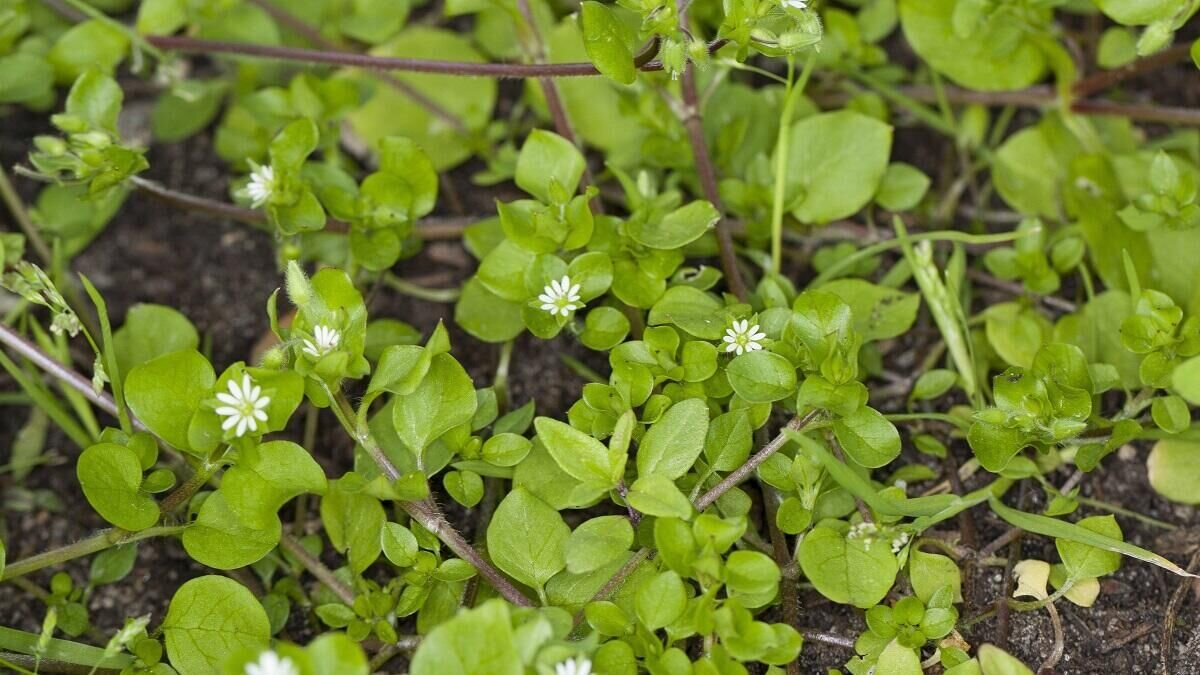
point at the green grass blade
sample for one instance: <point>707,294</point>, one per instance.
<point>1052,527</point>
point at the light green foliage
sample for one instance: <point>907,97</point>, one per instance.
<point>475,642</point>
<point>210,618</point>
<point>111,478</point>
<point>1044,405</point>
<point>166,391</point>
<point>527,539</point>
<point>835,164</point>
<point>1173,470</point>
<point>850,569</point>
<point>975,43</point>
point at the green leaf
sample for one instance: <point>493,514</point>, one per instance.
<point>930,572</point>
<point>896,659</point>
<point>902,187</point>
<point>835,164</point>
<point>210,618</point>
<point>657,495</point>
<point>112,565</point>
<point>761,377</point>
<point>598,542</point>
<point>219,540</point>
<point>606,39</point>
<point>676,229</point>
<point>444,399</point>
<point>151,331</point>
<point>661,600</point>
<point>165,392</point>
<point>161,17</point>
<point>698,313</point>
<point>1171,414</point>
<point>486,315</point>
<point>476,641</point>
<point>1085,562</point>
<point>933,383</point>
<point>399,545</point>
<point>879,312</point>
<point>730,437</point>
<point>268,476</point>
<point>604,328</point>
<point>987,54</point>
<point>673,443</point>
<point>527,539</point>
<point>111,476</point>
<point>25,78</point>
<point>91,45</point>
<point>868,437</point>
<point>353,521</point>
<point>547,159</point>
<point>1051,527</point>
<point>1137,12</point>
<point>583,457</point>
<point>1186,380</point>
<point>186,109</point>
<point>855,571</point>
<point>996,661</point>
<point>1174,470</point>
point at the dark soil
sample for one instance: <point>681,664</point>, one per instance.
<point>220,274</point>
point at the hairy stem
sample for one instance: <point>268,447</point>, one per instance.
<point>743,472</point>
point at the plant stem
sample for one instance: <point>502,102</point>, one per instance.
<point>743,472</point>
<point>84,547</point>
<point>50,365</point>
<point>17,208</point>
<point>349,59</point>
<point>442,295</point>
<point>1102,80</point>
<point>535,50</point>
<point>706,173</point>
<point>425,512</point>
<point>781,155</point>
<point>317,568</point>
<point>191,202</point>
<point>314,36</point>
<point>789,594</point>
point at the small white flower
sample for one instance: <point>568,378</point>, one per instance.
<point>578,666</point>
<point>326,340</point>
<point>743,337</point>
<point>796,4</point>
<point>899,542</point>
<point>270,663</point>
<point>560,297</point>
<point>262,183</point>
<point>244,406</point>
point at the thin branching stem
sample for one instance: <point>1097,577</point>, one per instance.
<point>424,512</point>
<point>192,45</point>
<point>743,472</point>
<point>317,568</point>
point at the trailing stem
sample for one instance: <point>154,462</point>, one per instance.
<point>425,512</point>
